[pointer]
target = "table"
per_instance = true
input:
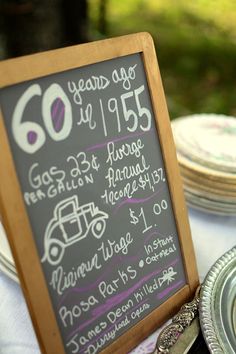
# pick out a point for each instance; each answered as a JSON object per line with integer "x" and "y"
{"x": 212, "y": 236}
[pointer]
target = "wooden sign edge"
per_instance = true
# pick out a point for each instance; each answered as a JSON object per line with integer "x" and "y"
{"x": 14, "y": 71}
{"x": 172, "y": 169}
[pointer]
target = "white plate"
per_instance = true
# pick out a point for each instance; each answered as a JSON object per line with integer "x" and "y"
{"x": 5, "y": 262}
{"x": 6, "y": 269}
{"x": 207, "y": 205}
{"x": 4, "y": 246}
{"x": 208, "y": 139}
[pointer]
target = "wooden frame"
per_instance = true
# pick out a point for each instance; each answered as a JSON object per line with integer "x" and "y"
{"x": 13, "y": 210}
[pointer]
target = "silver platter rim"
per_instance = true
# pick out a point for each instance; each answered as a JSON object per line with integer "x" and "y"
{"x": 217, "y": 308}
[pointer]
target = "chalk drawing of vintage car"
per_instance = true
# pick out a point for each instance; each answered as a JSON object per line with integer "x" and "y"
{"x": 70, "y": 224}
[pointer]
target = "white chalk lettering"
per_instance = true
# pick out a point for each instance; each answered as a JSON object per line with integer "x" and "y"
{"x": 86, "y": 117}
{"x": 126, "y": 173}
{"x": 95, "y": 348}
{"x": 38, "y": 179}
{"x": 124, "y": 76}
{"x": 61, "y": 281}
{"x": 113, "y": 316}
{"x": 93, "y": 83}
{"x": 110, "y": 248}
{"x": 69, "y": 316}
{"x": 112, "y": 197}
{"x": 162, "y": 254}
{"x": 125, "y": 150}
{"x": 139, "y": 312}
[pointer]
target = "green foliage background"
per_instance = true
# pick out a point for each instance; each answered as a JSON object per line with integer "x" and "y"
{"x": 195, "y": 44}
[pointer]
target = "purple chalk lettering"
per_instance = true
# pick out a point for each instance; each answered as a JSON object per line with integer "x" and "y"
{"x": 132, "y": 201}
{"x": 169, "y": 289}
{"x": 136, "y": 200}
{"x": 115, "y": 140}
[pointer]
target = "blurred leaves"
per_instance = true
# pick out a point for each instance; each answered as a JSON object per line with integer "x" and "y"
{"x": 196, "y": 48}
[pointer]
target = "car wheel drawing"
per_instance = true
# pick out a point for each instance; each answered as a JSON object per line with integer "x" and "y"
{"x": 55, "y": 251}
{"x": 98, "y": 227}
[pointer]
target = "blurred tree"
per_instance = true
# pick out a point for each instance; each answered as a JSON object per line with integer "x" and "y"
{"x": 30, "y": 26}
{"x": 74, "y": 21}
{"x": 102, "y": 20}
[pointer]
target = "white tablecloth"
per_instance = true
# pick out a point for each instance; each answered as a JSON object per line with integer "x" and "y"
{"x": 212, "y": 236}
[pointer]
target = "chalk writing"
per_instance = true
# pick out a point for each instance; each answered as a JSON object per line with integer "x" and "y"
{"x": 115, "y": 153}
{"x": 93, "y": 83}
{"x": 79, "y": 171}
{"x": 124, "y": 76}
{"x": 68, "y": 316}
{"x": 157, "y": 209}
{"x": 61, "y": 281}
{"x": 86, "y": 117}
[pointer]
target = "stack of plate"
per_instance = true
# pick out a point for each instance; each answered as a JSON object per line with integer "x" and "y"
{"x": 6, "y": 260}
{"x": 206, "y": 151}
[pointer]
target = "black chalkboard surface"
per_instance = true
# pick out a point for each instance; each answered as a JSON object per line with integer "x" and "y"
{"x": 95, "y": 183}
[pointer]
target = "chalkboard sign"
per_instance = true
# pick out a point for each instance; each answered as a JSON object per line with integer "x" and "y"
{"x": 91, "y": 196}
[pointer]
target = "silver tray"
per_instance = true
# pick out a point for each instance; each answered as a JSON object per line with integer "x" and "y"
{"x": 217, "y": 310}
